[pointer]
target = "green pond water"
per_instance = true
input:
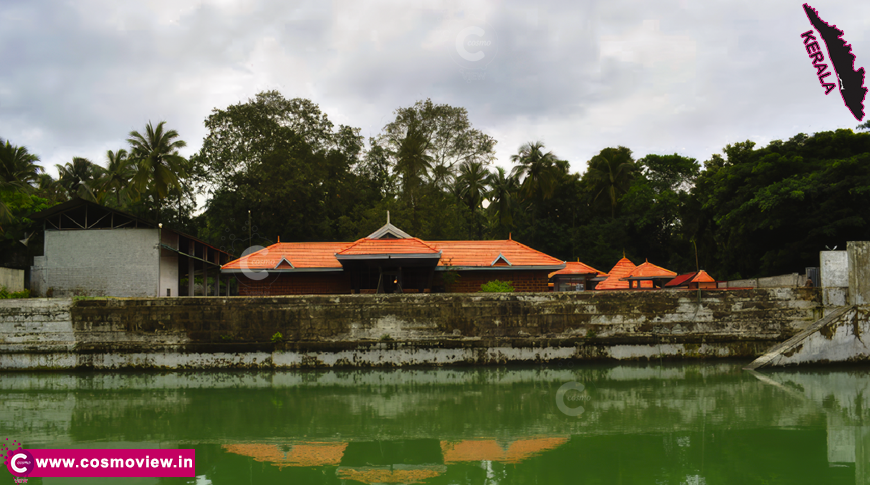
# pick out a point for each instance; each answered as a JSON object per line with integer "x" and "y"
{"x": 708, "y": 423}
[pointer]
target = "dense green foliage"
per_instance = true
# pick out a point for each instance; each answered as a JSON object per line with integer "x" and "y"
{"x": 497, "y": 286}
{"x": 275, "y": 167}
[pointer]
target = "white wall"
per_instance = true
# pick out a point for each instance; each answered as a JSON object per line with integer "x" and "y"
{"x": 12, "y": 279}
{"x": 98, "y": 262}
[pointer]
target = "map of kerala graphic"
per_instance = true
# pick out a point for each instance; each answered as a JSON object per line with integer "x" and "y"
{"x": 840, "y": 54}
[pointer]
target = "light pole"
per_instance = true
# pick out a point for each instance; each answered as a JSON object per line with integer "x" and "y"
{"x": 159, "y": 254}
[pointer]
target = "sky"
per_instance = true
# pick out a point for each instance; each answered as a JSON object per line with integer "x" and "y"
{"x": 660, "y": 77}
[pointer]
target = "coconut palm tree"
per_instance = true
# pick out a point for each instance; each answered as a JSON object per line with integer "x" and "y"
{"x": 158, "y": 164}
{"x": 117, "y": 176}
{"x": 471, "y": 189}
{"x": 537, "y": 170}
{"x": 441, "y": 177}
{"x": 413, "y": 164}
{"x": 18, "y": 171}
{"x": 80, "y": 178}
{"x": 610, "y": 172}
{"x": 502, "y": 196}
{"x": 48, "y": 187}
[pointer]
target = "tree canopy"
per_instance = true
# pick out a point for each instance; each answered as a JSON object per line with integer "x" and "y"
{"x": 273, "y": 167}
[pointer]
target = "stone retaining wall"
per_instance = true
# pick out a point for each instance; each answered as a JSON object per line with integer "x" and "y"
{"x": 395, "y": 330}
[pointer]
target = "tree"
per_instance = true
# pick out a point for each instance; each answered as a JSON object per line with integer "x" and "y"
{"x": 610, "y": 172}
{"x": 502, "y": 196}
{"x": 450, "y": 138}
{"x": 471, "y": 189}
{"x": 117, "y": 176}
{"x": 768, "y": 211}
{"x": 80, "y": 178}
{"x": 537, "y": 171}
{"x": 18, "y": 171}
{"x": 158, "y": 164}
{"x": 240, "y": 136}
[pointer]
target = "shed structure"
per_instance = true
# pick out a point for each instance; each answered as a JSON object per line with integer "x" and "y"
{"x": 93, "y": 250}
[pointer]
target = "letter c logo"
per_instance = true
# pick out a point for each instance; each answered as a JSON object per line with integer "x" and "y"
{"x": 560, "y": 398}
{"x": 14, "y": 463}
{"x": 460, "y": 43}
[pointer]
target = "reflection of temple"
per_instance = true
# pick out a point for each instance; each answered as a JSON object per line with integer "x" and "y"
{"x": 407, "y": 461}
{"x": 490, "y": 450}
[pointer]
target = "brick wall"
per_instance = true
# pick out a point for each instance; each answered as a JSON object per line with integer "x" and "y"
{"x": 337, "y": 283}
{"x": 522, "y": 281}
{"x": 98, "y": 262}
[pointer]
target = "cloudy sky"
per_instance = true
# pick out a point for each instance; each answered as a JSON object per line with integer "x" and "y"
{"x": 658, "y": 77}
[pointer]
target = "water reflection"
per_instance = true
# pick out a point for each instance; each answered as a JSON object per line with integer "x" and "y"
{"x": 680, "y": 424}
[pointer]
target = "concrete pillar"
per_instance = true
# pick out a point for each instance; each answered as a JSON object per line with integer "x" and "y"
{"x": 217, "y": 278}
{"x": 859, "y": 272}
{"x": 191, "y": 270}
{"x": 204, "y": 271}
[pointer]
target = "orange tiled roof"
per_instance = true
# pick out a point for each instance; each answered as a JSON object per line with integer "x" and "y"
{"x": 367, "y": 246}
{"x": 300, "y": 255}
{"x": 622, "y": 269}
{"x": 703, "y": 277}
{"x": 576, "y": 267}
{"x": 649, "y": 270}
{"x": 486, "y": 254}
{"x": 322, "y": 255}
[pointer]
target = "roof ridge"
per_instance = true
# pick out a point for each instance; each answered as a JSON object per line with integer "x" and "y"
{"x": 533, "y": 249}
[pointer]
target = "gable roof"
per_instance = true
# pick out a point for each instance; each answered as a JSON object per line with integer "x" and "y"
{"x": 369, "y": 248}
{"x": 577, "y": 268}
{"x": 388, "y": 230}
{"x": 111, "y": 218}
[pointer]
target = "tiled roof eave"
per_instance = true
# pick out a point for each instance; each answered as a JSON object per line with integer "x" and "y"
{"x": 389, "y": 256}
{"x": 501, "y": 268}
{"x": 647, "y": 278}
{"x": 283, "y": 270}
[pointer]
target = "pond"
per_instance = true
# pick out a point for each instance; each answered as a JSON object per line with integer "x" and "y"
{"x": 701, "y": 423}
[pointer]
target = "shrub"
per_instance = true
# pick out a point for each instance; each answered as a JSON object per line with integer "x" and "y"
{"x": 7, "y": 295}
{"x": 277, "y": 337}
{"x": 496, "y": 286}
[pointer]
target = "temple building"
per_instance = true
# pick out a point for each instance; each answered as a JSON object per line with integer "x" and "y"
{"x": 390, "y": 261}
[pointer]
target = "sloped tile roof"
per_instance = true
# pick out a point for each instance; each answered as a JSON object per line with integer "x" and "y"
{"x": 368, "y": 246}
{"x": 694, "y": 277}
{"x": 680, "y": 280}
{"x": 649, "y": 270}
{"x": 485, "y": 253}
{"x": 300, "y": 255}
{"x": 621, "y": 270}
{"x": 576, "y": 267}
{"x": 703, "y": 277}
{"x": 322, "y": 255}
